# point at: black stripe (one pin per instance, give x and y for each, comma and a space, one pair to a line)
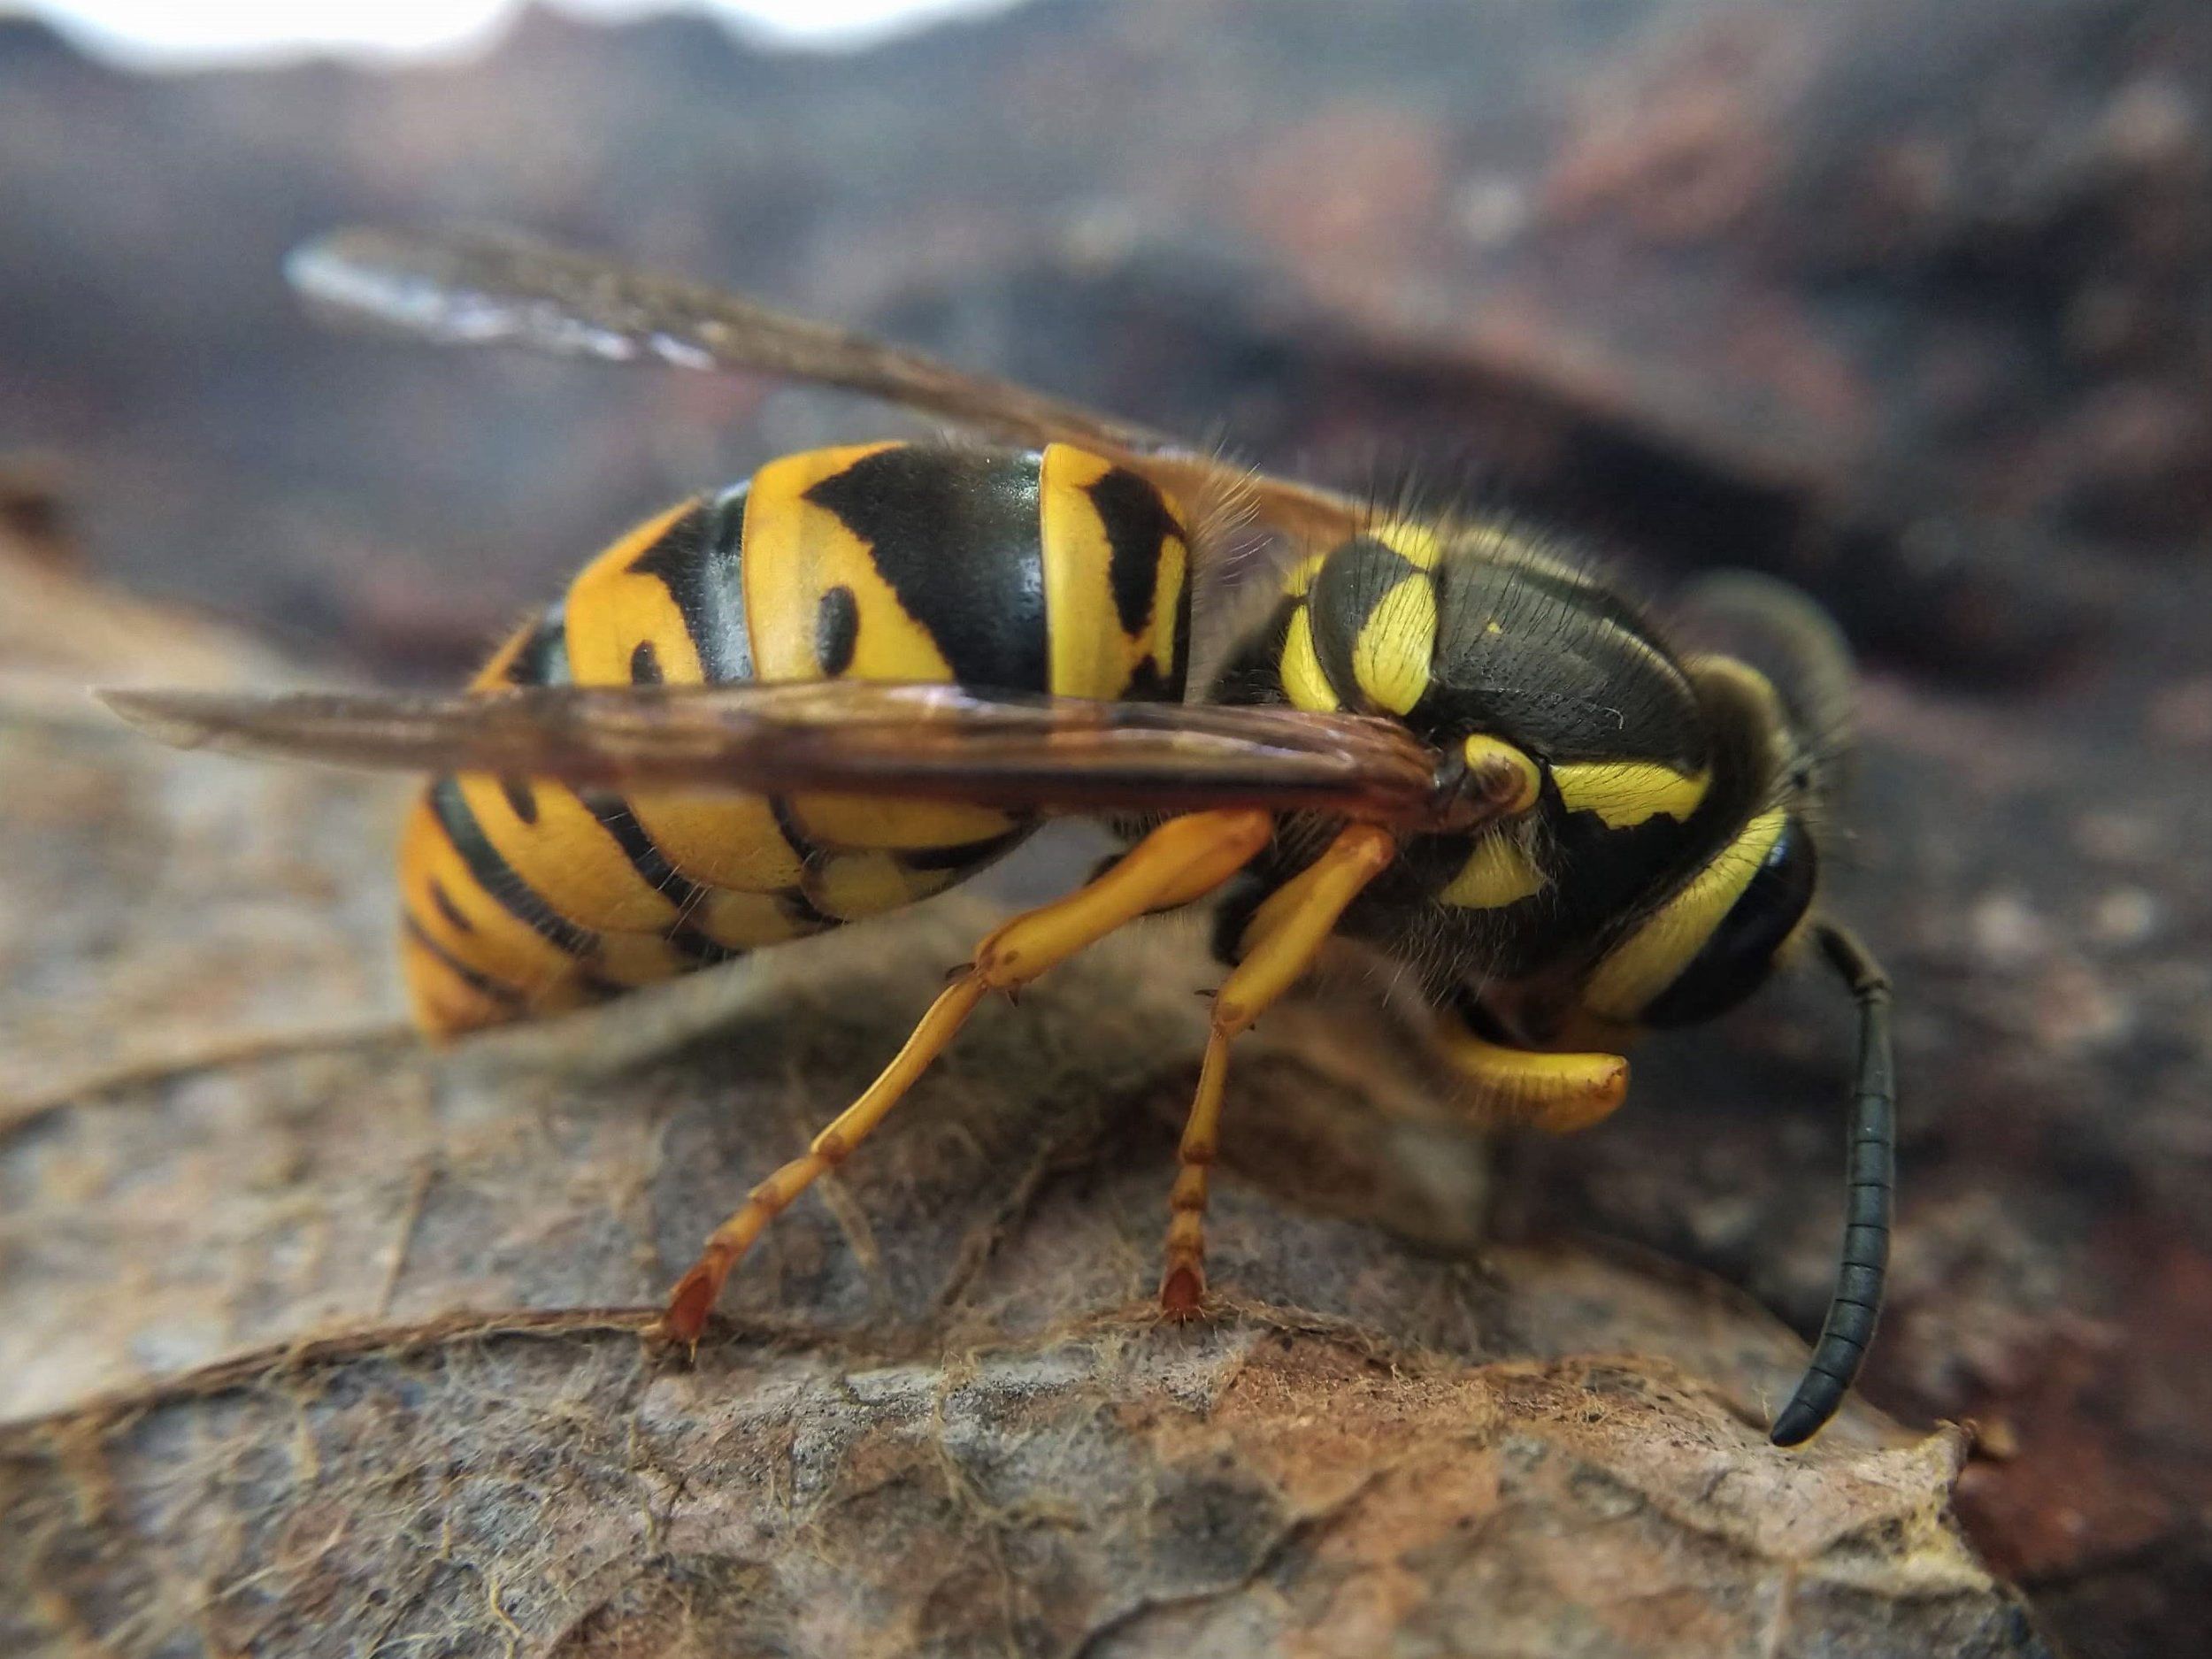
543, 658
956, 534
802, 910
806, 850
520, 801
645, 664
700, 560
497, 877
475, 978
962, 856
445, 908
1148, 683
614, 816
812, 856
1137, 525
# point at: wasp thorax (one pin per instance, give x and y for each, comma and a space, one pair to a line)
1480, 631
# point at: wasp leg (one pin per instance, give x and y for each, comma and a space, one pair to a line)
1184, 859
1520, 1087
1279, 943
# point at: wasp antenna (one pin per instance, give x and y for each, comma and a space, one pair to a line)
1870, 1198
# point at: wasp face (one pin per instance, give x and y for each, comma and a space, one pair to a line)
1740, 953
1777, 680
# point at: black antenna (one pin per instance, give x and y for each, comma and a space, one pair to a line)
1869, 1201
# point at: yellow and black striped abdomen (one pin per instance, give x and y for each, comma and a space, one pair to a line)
1006, 570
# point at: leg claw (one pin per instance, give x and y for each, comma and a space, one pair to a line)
1182, 1292
690, 1304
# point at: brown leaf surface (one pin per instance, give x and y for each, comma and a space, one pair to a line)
315, 1340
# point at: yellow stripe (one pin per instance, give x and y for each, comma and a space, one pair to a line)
1495, 542
1417, 543
794, 553
1303, 678
1171, 579
733, 841
745, 920
851, 885
637, 960
1498, 872
1652, 957
443, 1003
1625, 792
1391, 657
1090, 656
869, 823
495, 941
611, 611
1299, 581
568, 858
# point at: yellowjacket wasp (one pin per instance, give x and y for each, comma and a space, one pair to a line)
863, 674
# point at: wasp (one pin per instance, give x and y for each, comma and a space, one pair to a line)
860, 676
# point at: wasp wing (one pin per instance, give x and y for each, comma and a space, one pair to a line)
922, 741
494, 288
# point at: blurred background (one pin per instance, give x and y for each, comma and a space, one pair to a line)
1908, 300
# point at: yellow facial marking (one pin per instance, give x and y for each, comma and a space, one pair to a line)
1625, 792
1498, 872
1391, 657
1303, 678
1650, 959
1484, 752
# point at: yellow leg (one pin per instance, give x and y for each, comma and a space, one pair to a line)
1184, 859
1520, 1087
1283, 936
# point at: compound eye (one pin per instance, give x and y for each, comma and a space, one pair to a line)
1737, 956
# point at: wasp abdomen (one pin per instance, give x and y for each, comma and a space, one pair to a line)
1050, 571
